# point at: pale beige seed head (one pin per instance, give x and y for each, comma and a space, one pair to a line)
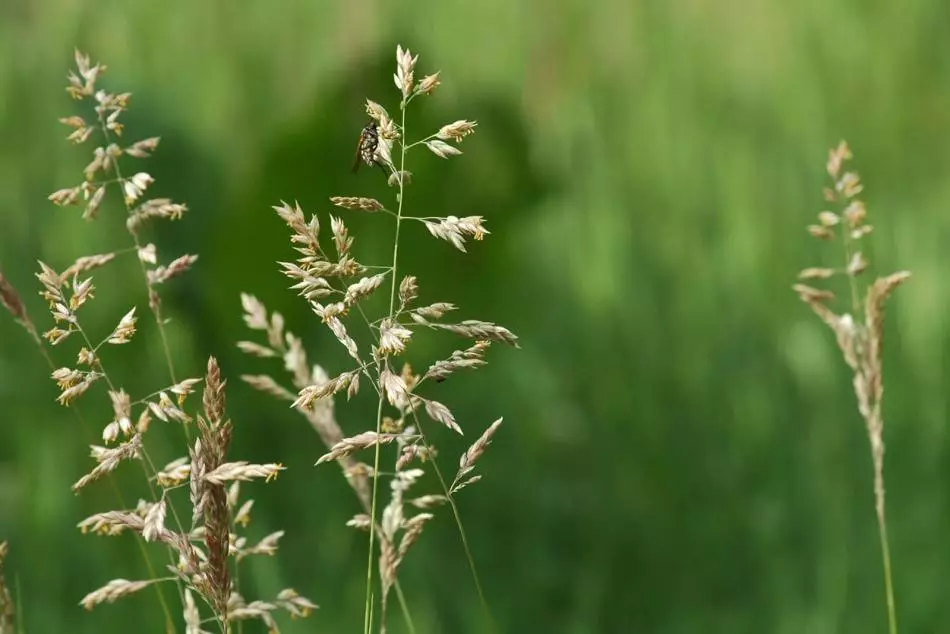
821, 232
393, 337
428, 83
143, 148
125, 329
849, 185
376, 111
457, 130
442, 149
856, 213
836, 158
405, 65
370, 205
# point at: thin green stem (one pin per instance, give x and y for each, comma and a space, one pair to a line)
888, 582
421, 141
368, 605
148, 469
881, 521
367, 608
144, 400
156, 305
140, 542
458, 522
404, 606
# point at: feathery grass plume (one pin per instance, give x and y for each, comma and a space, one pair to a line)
860, 332
198, 554
315, 389
398, 534
202, 552
69, 379
336, 284
7, 612
67, 292
210, 450
470, 457
104, 173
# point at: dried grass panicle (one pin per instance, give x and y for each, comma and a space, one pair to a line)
455, 230
393, 337
859, 332
191, 614
67, 293
213, 397
288, 600
217, 508
202, 551
297, 605
349, 446
174, 473
470, 358
7, 611
110, 458
215, 438
441, 414
471, 456
154, 209
176, 267
242, 471
337, 284
112, 523
11, 300
114, 590
238, 610
370, 205
480, 330
153, 526
104, 174
858, 336
315, 398
398, 532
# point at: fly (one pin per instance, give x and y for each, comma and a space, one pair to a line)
366, 147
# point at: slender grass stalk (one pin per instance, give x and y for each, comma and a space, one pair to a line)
857, 312
368, 603
393, 272
286, 345
120, 499
212, 478
404, 607
888, 582
860, 332
458, 523
318, 275
153, 302
12, 300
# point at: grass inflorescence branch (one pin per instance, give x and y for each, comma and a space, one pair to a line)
336, 285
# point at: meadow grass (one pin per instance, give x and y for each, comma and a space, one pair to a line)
194, 509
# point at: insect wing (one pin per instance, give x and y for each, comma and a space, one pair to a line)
358, 157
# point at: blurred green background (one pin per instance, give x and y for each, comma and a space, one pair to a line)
681, 450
